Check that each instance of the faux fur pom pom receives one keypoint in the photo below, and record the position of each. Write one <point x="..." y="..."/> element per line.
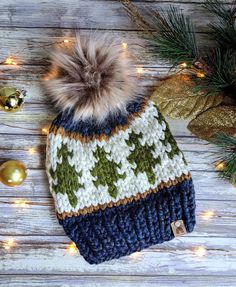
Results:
<point x="93" y="78"/>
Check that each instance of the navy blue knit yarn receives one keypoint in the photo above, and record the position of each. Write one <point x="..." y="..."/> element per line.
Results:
<point x="122" y="230"/>
<point x="91" y="127"/>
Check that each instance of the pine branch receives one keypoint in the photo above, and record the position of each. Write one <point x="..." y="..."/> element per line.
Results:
<point x="221" y="74"/>
<point x="228" y="154"/>
<point x="224" y="31"/>
<point x="175" y="38"/>
<point x="171" y="33"/>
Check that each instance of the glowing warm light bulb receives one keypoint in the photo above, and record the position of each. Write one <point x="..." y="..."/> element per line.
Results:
<point x="183" y="65"/>
<point x="66" y="41"/>
<point x="140" y="70"/>
<point x="200" y="75"/>
<point x="124" y="45"/>
<point x="208" y="214"/>
<point x="136" y="255"/>
<point x="72" y="249"/>
<point x="9" y="61"/>
<point x="21" y="203"/>
<point x="9" y="243"/>
<point x="220" y="166"/>
<point x="32" y="150"/>
<point x="52" y="74"/>
<point x="45" y="130"/>
<point x="200" y="251"/>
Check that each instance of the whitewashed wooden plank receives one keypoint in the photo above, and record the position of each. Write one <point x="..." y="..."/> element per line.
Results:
<point x="30" y="120"/>
<point x="116" y="281"/>
<point x="38" y="217"/>
<point x="87" y="14"/>
<point x="32" y="46"/>
<point x="174" y="258"/>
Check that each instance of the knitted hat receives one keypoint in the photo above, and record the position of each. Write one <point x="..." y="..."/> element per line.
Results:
<point x="119" y="181"/>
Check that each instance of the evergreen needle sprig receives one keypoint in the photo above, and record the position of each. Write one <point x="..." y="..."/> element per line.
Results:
<point x="175" y="39"/>
<point x="224" y="32"/>
<point x="220" y="75"/>
<point x="171" y="33"/>
<point x="227" y="144"/>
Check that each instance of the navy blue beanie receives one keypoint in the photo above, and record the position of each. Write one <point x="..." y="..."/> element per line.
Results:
<point x="119" y="181"/>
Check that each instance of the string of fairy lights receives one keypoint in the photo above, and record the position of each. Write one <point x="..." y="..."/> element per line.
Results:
<point x="11" y="243"/>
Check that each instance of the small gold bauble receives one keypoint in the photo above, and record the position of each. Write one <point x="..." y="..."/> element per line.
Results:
<point x="11" y="99"/>
<point x="12" y="173"/>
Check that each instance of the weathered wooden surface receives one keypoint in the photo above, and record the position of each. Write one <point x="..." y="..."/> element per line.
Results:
<point x="115" y="281"/>
<point x="29" y="30"/>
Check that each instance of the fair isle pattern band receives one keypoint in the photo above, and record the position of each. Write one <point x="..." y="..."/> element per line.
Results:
<point x="132" y="161"/>
<point x="136" y="197"/>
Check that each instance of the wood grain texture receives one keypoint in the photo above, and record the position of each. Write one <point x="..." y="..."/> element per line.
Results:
<point x="32" y="46"/>
<point x="34" y="255"/>
<point x="99" y="15"/>
<point x="115" y="281"/>
<point x="29" y="30"/>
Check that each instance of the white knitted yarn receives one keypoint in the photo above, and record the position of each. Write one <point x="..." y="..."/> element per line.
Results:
<point x="84" y="160"/>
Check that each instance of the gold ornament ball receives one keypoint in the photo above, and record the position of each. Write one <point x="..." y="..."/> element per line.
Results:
<point x="12" y="173"/>
<point x="11" y="99"/>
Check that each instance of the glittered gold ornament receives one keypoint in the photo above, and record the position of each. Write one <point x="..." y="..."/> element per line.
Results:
<point x="11" y="99"/>
<point x="12" y="173"/>
<point x="220" y="119"/>
<point x="178" y="98"/>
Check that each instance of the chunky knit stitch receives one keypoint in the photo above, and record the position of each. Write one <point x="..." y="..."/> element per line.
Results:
<point x="122" y="230"/>
<point x="118" y="185"/>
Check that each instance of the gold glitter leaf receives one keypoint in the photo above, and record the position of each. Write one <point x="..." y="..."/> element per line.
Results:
<point x="177" y="98"/>
<point x="219" y="119"/>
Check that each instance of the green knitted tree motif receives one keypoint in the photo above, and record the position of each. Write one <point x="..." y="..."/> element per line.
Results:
<point x="169" y="138"/>
<point x="66" y="176"/>
<point x="160" y="117"/>
<point x="105" y="171"/>
<point x="142" y="156"/>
